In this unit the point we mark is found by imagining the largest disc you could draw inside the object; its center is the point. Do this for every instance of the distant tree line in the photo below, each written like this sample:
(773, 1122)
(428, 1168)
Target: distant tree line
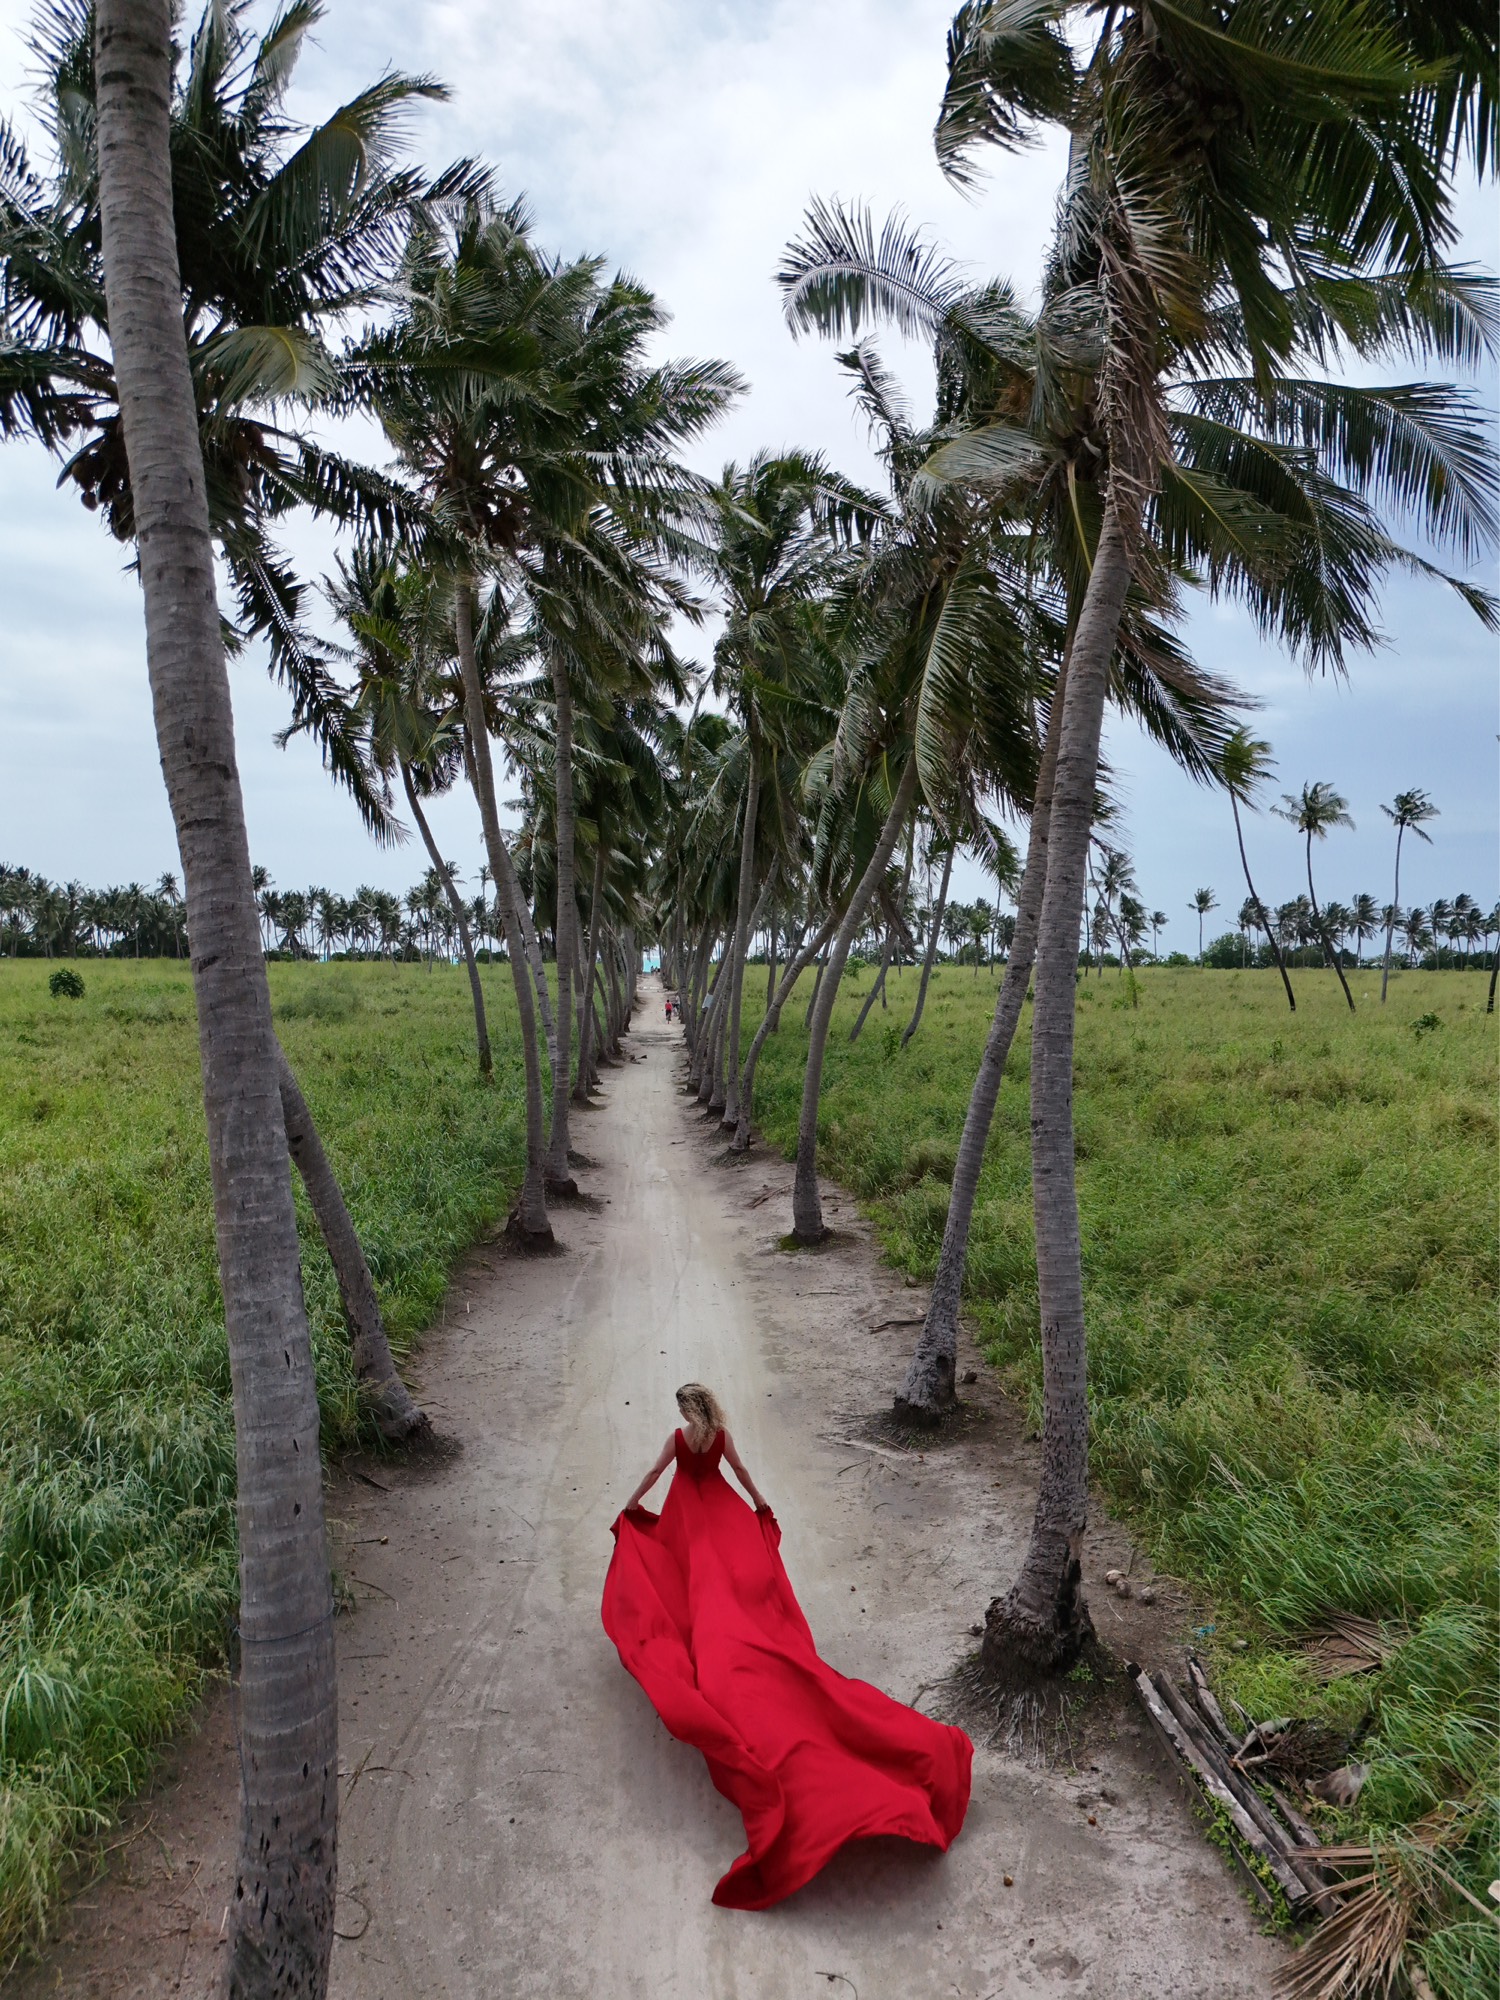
(42, 919)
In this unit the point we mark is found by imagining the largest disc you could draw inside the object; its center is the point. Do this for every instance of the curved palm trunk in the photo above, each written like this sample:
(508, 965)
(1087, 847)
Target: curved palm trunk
(1390, 929)
(280, 1917)
(929, 957)
(741, 938)
(1260, 908)
(1331, 954)
(812, 1002)
(877, 991)
(807, 1206)
(460, 918)
(396, 1415)
(559, 1177)
(531, 1209)
(794, 971)
(711, 1089)
(1043, 1621)
(927, 1391)
(596, 903)
(539, 979)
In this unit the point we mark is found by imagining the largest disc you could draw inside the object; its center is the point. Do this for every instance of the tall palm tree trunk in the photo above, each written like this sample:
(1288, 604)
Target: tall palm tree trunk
(396, 1415)
(695, 1003)
(930, 955)
(531, 1209)
(1260, 908)
(559, 1176)
(796, 966)
(807, 1206)
(741, 936)
(591, 955)
(1043, 1621)
(460, 918)
(812, 1001)
(533, 946)
(1331, 953)
(1390, 929)
(927, 1391)
(280, 1917)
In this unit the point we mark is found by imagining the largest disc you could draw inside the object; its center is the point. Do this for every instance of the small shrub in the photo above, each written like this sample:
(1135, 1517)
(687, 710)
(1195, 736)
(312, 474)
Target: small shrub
(66, 984)
(1424, 1025)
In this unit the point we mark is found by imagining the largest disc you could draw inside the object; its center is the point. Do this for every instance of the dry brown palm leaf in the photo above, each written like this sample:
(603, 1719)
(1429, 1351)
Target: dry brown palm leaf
(1358, 1953)
(1346, 1644)
(1355, 1954)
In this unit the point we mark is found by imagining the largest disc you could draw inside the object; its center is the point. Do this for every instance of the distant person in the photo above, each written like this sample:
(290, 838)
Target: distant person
(703, 1614)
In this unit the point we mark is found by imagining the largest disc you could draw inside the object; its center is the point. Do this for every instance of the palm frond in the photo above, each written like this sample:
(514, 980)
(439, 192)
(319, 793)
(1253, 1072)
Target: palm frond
(1009, 64)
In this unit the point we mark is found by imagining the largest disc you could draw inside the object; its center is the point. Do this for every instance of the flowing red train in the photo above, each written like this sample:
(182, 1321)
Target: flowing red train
(700, 1607)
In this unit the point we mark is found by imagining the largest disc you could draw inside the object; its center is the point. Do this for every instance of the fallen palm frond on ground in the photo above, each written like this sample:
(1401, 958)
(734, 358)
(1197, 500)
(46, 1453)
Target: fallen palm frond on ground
(1344, 1644)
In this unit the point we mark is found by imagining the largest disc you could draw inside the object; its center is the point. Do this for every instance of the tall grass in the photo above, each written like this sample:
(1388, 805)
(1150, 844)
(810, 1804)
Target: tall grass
(117, 1545)
(1289, 1257)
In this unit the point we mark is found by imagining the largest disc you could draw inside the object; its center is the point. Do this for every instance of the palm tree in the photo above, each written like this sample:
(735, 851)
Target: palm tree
(773, 552)
(1186, 222)
(1157, 919)
(408, 712)
(935, 920)
(1245, 765)
(1465, 929)
(1204, 900)
(1364, 922)
(1315, 811)
(1440, 917)
(281, 1912)
(1407, 812)
(1417, 931)
(283, 232)
(514, 387)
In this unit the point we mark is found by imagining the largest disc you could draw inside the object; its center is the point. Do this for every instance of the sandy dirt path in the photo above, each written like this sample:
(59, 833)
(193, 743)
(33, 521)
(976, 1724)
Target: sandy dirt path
(516, 1821)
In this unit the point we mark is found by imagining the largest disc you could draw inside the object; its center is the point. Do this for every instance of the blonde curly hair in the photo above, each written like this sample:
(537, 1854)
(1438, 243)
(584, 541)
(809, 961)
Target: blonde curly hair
(703, 1414)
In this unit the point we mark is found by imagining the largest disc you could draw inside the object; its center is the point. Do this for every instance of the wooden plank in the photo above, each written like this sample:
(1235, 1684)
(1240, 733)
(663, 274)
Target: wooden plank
(1179, 1739)
(1275, 1840)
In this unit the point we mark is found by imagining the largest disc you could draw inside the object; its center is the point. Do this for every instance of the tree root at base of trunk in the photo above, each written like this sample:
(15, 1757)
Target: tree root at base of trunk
(927, 1397)
(1019, 1649)
(529, 1242)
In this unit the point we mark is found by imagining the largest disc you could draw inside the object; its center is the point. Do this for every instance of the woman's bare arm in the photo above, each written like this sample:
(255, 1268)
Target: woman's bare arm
(742, 1475)
(664, 1459)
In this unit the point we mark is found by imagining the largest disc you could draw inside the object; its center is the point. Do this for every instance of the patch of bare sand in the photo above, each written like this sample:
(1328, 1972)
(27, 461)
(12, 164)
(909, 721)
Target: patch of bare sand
(516, 1822)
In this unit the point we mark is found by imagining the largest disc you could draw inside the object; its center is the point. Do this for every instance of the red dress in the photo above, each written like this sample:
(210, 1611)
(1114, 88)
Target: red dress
(699, 1605)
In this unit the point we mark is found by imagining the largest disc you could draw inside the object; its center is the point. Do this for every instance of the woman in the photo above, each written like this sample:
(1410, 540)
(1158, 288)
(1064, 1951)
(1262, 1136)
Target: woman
(699, 1605)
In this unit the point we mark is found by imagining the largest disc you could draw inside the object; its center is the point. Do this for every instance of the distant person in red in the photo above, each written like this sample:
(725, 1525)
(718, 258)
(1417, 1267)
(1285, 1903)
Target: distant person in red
(703, 1614)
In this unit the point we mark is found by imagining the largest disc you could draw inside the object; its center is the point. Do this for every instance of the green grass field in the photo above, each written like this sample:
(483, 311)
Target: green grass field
(116, 1442)
(1289, 1242)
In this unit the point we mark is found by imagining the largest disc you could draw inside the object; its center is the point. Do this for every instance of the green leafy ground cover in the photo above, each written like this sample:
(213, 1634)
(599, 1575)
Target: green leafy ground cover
(1289, 1242)
(117, 1564)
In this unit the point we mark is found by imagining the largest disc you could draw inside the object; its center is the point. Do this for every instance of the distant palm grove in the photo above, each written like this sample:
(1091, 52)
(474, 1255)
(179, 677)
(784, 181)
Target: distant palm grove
(1244, 376)
(42, 919)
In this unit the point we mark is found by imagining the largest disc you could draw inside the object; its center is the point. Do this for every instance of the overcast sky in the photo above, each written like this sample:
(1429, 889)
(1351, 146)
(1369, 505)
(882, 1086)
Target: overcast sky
(682, 139)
